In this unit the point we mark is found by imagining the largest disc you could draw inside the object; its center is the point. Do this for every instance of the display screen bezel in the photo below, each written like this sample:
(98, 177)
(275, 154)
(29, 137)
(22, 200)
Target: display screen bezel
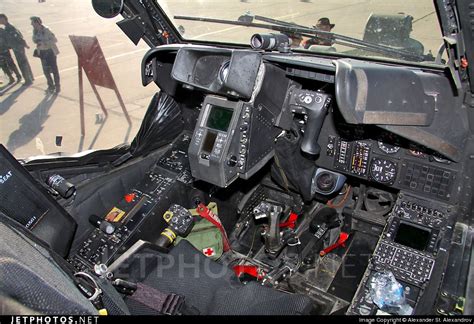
(208, 142)
(412, 236)
(210, 120)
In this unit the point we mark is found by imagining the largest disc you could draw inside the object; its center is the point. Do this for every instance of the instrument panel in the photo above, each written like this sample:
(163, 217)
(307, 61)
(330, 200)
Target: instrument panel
(378, 156)
(366, 152)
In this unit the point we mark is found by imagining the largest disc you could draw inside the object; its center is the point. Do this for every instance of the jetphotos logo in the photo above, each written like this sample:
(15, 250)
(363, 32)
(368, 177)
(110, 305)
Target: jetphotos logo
(54, 320)
(4, 177)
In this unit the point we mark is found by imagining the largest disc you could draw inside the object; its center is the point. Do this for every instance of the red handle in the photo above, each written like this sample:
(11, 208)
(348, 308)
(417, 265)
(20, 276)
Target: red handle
(340, 242)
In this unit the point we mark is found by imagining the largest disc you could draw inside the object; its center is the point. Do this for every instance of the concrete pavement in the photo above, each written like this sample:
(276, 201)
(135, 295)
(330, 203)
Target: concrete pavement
(30, 120)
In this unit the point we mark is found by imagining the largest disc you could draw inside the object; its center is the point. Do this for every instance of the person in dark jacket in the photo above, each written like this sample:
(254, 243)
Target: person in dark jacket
(47, 51)
(6, 61)
(323, 24)
(17, 43)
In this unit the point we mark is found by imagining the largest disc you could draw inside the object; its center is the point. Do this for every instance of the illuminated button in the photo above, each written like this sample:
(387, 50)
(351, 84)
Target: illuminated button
(129, 197)
(307, 100)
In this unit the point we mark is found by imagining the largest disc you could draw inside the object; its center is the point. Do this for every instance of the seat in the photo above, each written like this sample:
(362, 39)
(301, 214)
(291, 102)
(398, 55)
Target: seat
(392, 30)
(34, 279)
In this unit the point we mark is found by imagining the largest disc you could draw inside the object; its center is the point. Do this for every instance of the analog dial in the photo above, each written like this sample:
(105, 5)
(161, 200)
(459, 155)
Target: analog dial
(388, 148)
(224, 71)
(383, 171)
(439, 158)
(417, 151)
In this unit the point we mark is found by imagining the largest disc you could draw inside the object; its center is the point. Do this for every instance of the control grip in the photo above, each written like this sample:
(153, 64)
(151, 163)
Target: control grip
(314, 124)
(272, 240)
(315, 106)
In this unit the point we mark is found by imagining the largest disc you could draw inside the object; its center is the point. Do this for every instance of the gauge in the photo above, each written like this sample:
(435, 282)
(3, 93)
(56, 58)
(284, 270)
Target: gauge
(383, 171)
(224, 71)
(360, 158)
(417, 151)
(388, 148)
(440, 159)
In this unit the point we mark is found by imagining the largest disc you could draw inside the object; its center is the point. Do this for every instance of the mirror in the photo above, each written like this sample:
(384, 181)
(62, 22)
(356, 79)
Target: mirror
(107, 8)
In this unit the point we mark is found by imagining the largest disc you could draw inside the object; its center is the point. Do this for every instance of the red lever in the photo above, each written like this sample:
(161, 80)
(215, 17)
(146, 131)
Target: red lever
(291, 222)
(342, 239)
(250, 270)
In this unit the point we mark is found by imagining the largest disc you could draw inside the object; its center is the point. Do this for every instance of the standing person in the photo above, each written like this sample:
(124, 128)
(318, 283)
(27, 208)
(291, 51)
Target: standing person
(47, 51)
(323, 24)
(17, 43)
(6, 61)
(296, 39)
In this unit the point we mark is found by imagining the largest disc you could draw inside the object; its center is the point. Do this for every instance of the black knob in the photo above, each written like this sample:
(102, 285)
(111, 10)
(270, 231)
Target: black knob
(232, 162)
(104, 226)
(107, 227)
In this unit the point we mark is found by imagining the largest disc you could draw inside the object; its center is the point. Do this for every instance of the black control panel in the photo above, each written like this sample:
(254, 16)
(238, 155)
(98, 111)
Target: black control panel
(214, 149)
(231, 140)
(139, 214)
(141, 204)
(409, 248)
(411, 239)
(422, 212)
(427, 179)
(176, 159)
(360, 159)
(374, 155)
(407, 264)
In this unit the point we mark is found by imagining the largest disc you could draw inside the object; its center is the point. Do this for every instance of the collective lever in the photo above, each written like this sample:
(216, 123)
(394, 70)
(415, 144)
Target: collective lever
(272, 212)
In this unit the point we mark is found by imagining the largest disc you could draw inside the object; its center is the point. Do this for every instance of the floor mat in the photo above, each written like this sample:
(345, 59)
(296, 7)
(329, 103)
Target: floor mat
(211, 287)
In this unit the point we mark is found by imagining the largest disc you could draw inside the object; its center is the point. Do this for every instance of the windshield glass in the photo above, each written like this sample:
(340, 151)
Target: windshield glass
(70, 80)
(42, 107)
(402, 30)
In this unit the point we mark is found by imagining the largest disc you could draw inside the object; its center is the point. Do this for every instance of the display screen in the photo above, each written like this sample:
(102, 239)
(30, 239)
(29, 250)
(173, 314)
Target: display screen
(219, 118)
(209, 141)
(412, 236)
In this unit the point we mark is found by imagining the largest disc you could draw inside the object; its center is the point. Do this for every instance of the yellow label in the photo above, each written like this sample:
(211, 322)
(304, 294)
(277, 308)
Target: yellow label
(167, 216)
(115, 215)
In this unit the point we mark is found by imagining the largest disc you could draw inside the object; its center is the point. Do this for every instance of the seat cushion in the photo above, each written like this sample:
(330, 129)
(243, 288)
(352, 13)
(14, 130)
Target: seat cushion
(32, 278)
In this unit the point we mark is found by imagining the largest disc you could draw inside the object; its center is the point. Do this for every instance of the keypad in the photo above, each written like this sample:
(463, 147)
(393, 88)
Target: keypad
(406, 264)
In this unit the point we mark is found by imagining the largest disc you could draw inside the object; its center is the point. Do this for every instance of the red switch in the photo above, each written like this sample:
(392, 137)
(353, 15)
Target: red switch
(291, 222)
(129, 197)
